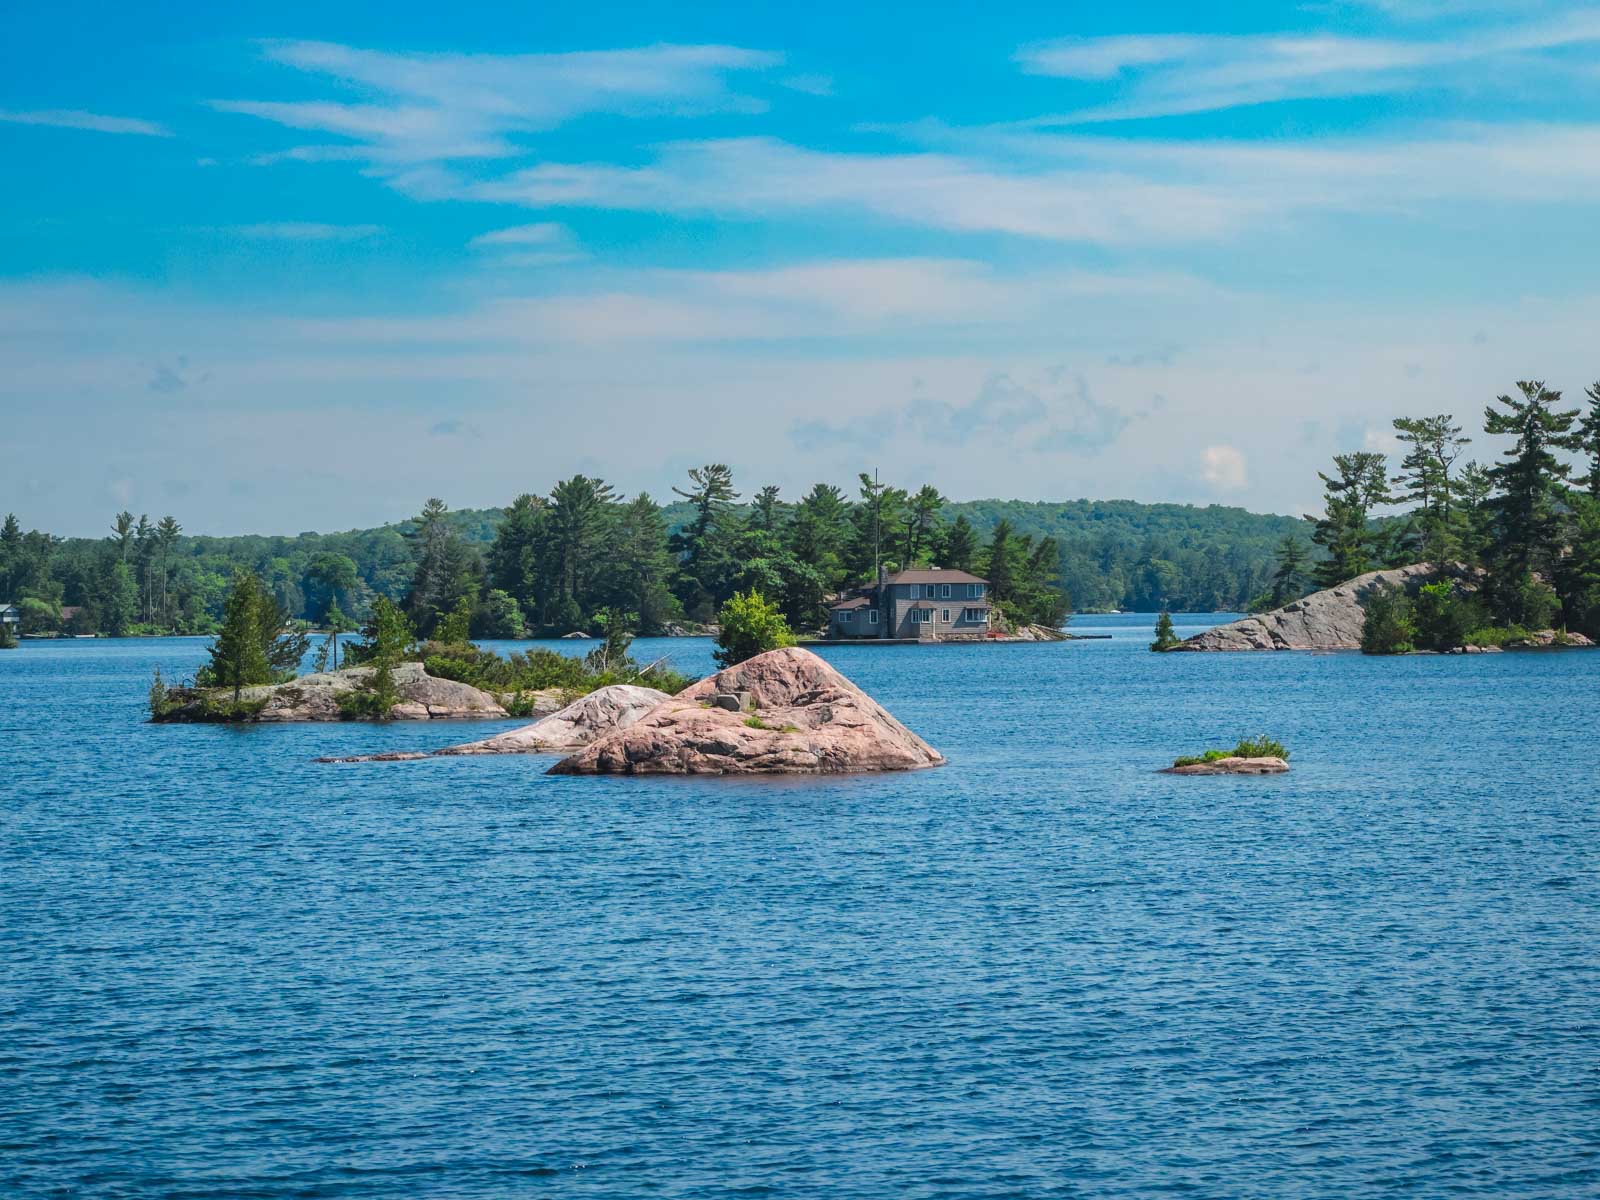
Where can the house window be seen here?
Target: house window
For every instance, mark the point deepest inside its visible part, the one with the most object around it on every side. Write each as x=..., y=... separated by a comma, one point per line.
x=975, y=615
x=872, y=617
x=916, y=616
x=944, y=593
x=974, y=591
x=847, y=615
x=944, y=615
x=915, y=591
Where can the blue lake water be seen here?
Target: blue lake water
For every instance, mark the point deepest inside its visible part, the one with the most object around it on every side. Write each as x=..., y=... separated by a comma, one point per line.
x=1043, y=970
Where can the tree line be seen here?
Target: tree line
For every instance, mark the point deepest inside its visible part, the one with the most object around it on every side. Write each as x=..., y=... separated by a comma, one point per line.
x=1525, y=526
x=570, y=554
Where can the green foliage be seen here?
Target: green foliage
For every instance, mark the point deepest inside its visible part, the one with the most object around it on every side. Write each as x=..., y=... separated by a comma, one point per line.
x=501, y=616
x=750, y=625
x=1493, y=635
x=1257, y=747
x=160, y=703
x=1354, y=546
x=256, y=644
x=1387, y=626
x=8, y=640
x=1442, y=616
x=755, y=722
x=1166, y=636
x=455, y=628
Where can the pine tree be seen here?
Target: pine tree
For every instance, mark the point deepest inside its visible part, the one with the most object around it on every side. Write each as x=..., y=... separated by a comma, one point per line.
x=239, y=654
x=1289, y=578
x=960, y=552
x=1166, y=635
x=1435, y=445
x=1528, y=484
x=1343, y=530
x=1589, y=441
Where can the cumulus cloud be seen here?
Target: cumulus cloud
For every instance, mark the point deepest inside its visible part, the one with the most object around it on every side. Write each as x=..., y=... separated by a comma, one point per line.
x=1222, y=468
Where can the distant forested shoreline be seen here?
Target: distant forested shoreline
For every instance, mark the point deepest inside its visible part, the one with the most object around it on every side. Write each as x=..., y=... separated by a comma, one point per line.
x=553, y=562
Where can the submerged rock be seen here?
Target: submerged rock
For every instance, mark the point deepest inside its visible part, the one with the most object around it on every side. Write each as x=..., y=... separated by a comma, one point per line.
x=802, y=717
x=1327, y=620
x=316, y=698
x=1231, y=766
x=600, y=712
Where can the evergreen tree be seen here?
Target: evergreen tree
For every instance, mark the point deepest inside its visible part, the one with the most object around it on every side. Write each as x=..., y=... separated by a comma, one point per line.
x=1001, y=563
x=767, y=512
x=817, y=533
x=922, y=526
x=578, y=525
x=1435, y=445
x=1475, y=532
x=1361, y=483
x=960, y=550
x=705, y=546
x=447, y=570
x=645, y=566
x=1166, y=636
x=255, y=645
x=1528, y=484
x=1289, y=577
x=514, y=556
x=1589, y=441
x=118, y=600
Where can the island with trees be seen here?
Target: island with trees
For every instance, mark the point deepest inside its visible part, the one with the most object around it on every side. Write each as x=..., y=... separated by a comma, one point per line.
x=1478, y=557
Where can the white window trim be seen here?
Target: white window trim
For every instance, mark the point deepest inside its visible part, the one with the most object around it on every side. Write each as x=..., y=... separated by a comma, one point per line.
x=944, y=616
x=944, y=591
x=873, y=619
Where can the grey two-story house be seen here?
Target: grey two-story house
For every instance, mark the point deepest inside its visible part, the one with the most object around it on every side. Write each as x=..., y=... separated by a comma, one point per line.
x=926, y=604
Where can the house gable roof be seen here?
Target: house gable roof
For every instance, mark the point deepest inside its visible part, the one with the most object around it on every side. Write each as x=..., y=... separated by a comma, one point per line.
x=934, y=575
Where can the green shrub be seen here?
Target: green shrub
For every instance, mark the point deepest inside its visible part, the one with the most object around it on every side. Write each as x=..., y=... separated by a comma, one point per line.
x=160, y=703
x=1258, y=747
x=1493, y=635
x=750, y=625
x=1166, y=637
x=1387, y=626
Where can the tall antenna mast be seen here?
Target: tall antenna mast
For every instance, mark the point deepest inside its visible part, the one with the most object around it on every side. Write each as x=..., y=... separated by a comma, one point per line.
x=877, y=528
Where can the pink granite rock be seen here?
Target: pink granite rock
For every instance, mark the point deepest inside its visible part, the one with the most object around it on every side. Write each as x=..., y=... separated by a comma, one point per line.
x=794, y=715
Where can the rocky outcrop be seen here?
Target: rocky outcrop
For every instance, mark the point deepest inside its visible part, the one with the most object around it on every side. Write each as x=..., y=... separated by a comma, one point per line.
x=1549, y=639
x=316, y=698
x=1327, y=620
x=1231, y=766
x=783, y=712
x=576, y=725
x=581, y=722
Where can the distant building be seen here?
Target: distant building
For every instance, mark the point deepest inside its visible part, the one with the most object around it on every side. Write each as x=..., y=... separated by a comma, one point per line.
x=10, y=615
x=925, y=604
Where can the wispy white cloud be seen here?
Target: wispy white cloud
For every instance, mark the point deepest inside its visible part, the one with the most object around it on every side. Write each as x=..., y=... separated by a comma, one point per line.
x=435, y=107
x=1163, y=75
x=1105, y=191
x=543, y=233
x=72, y=118
x=306, y=231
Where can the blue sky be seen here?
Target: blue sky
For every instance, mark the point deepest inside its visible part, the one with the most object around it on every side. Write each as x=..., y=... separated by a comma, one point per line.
x=279, y=267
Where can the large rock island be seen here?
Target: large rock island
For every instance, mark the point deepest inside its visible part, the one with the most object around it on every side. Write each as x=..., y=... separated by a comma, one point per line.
x=1327, y=620
x=783, y=712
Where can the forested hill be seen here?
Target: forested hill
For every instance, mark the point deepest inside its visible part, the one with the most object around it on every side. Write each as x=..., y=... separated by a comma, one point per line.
x=1112, y=554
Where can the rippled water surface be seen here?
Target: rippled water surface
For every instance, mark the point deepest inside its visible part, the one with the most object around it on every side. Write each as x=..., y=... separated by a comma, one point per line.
x=1043, y=970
